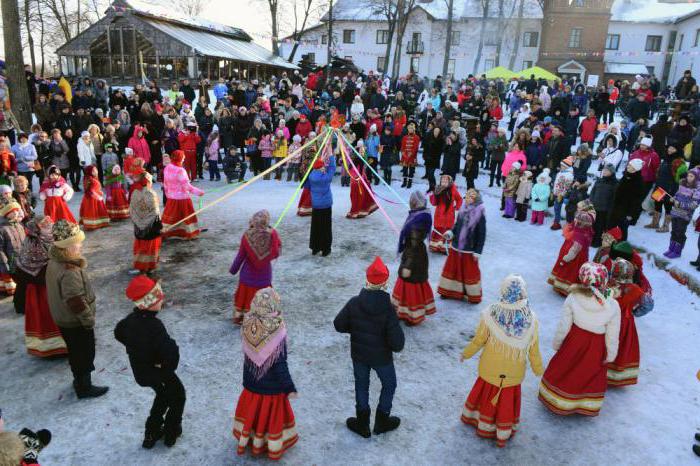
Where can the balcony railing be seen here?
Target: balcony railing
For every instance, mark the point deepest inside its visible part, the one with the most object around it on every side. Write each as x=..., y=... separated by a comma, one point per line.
x=414, y=47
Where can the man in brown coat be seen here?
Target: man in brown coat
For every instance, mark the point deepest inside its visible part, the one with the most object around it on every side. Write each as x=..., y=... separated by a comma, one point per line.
x=72, y=304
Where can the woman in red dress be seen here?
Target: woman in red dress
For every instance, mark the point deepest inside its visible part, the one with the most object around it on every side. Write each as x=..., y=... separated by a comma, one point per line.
x=41, y=335
x=586, y=341
x=307, y=155
x=461, y=276
x=117, y=205
x=412, y=296
x=447, y=201
x=264, y=419
x=93, y=211
x=55, y=193
x=179, y=206
x=361, y=201
x=260, y=245
x=573, y=253
x=624, y=370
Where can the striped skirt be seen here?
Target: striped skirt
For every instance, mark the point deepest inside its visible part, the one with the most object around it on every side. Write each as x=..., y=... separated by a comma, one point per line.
x=497, y=420
x=175, y=210
x=41, y=335
x=461, y=277
x=93, y=214
x=413, y=301
x=146, y=254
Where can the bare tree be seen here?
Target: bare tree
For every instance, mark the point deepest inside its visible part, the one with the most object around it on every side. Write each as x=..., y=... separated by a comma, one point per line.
x=14, y=61
x=448, y=38
x=499, y=41
x=42, y=42
x=274, y=7
x=404, y=9
x=300, y=12
x=482, y=32
x=518, y=33
x=27, y=15
x=191, y=8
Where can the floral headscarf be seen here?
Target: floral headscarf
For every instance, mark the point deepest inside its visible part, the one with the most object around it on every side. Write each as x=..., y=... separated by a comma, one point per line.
x=595, y=277
x=34, y=254
x=259, y=234
x=264, y=333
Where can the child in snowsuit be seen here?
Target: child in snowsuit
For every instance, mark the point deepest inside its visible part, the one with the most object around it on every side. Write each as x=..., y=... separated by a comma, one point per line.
x=510, y=187
x=234, y=165
x=294, y=162
x=540, y=197
x=522, y=196
x=685, y=202
x=154, y=358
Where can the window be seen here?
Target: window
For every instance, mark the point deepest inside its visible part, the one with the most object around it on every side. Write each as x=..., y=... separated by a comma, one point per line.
x=451, y=67
x=579, y=3
x=324, y=39
x=415, y=64
x=575, y=38
x=382, y=36
x=680, y=42
x=612, y=42
x=527, y=64
x=650, y=69
x=381, y=64
x=697, y=38
x=416, y=37
x=653, y=44
x=491, y=38
x=348, y=36
x=530, y=39
x=489, y=63
x=456, y=36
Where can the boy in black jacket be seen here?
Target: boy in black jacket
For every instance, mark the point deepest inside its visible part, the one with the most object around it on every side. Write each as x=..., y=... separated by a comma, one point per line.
x=375, y=334
x=154, y=357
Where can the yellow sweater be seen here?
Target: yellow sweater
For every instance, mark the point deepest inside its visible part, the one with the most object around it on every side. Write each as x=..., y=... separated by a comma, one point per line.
x=501, y=362
x=280, y=150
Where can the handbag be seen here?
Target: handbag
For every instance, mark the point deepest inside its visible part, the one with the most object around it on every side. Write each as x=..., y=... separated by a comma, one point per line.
x=150, y=232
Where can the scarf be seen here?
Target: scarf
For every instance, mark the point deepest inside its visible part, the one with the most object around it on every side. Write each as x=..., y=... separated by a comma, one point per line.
x=419, y=219
x=34, y=254
x=259, y=234
x=144, y=207
x=264, y=333
x=470, y=216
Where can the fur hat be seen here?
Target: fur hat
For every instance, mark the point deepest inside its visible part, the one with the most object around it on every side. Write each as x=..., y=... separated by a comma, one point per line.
x=609, y=167
x=515, y=166
x=144, y=291
x=11, y=448
x=9, y=208
x=646, y=142
x=377, y=274
x=66, y=233
x=296, y=138
x=636, y=165
x=543, y=177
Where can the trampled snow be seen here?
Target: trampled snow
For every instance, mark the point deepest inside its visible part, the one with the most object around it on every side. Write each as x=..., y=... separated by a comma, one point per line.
x=652, y=422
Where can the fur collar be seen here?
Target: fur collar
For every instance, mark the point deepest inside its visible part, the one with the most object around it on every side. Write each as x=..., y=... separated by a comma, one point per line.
x=59, y=255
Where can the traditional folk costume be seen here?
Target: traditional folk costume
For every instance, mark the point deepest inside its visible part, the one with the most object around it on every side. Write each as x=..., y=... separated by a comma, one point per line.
x=12, y=236
x=260, y=245
x=361, y=200
x=461, y=277
x=179, y=206
x=409, y=155
x=586, y=341
x=612, y=247
x=624, y=370
x=573, y=253
x=144, y=210
x=42, y=336
x=307, y=155
x=93, y=211
x=447, y=202
x=264, y=418
x=55, y=192
x=117, y=204
x=508, y=334
x=412, y=296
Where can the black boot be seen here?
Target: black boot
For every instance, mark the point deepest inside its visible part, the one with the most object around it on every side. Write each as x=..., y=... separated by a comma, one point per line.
x=154, y=432
x=171, y=435
x=85, y=389
x=410, y=183
x=405, y=182
x=360, y=424
x=696, y=262
x=385, y=423
x=696, y=449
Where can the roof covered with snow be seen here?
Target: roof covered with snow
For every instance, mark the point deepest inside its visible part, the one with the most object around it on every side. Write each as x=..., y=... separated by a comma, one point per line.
x=625, y=68
x=651, y=11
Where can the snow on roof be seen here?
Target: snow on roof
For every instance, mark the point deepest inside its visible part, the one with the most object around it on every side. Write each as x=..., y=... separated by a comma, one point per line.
x=651, y=11
x=625, y=68
x=217, y=45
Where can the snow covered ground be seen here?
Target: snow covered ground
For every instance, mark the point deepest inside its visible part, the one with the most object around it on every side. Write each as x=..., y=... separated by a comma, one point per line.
x=652, y=422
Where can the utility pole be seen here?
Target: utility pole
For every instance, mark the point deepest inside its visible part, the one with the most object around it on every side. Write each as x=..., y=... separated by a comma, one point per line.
x=448, y=38
x=14, y=61
x=329, y=52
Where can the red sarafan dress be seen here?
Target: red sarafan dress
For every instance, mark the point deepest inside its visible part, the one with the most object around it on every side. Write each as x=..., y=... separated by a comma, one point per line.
x=56, y=194
x=572, y=255
x=304, y=207
x=576, y=378
x=624, y=370
x=447, y=202
x=117, y=204
x=361, y=200
x=179, y=205
x=93, y=211
x=144, y=210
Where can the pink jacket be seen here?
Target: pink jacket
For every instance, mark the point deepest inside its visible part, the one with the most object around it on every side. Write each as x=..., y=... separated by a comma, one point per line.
x=512, y=157
x=177, y=183
x=140, y=145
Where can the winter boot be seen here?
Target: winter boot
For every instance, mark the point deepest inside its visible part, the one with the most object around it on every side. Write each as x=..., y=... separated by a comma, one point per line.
x=654, y=221
x=385, y=423
x=360, y=424
x=171, y=434
x=696, y=263
x=153, y=434
x=555, y=226
x=85, y=389
x=665, y=228
x=674, y=250
x=696, y=449
x=405, y=182
x=410, y=183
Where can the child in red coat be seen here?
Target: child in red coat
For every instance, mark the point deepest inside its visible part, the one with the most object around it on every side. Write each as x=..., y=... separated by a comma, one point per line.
x=447, y=202
x=188, y=140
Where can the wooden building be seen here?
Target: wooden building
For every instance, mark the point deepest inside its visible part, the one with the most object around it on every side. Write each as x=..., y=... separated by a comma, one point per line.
x=136, y=39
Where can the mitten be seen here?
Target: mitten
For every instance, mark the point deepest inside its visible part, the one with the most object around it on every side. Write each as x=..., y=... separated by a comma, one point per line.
x=34, y=442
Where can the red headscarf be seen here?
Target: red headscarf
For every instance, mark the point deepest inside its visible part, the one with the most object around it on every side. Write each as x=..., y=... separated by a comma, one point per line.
x=177, y=157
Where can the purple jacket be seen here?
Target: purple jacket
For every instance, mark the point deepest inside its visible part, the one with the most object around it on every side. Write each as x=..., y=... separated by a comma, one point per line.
x=254, y=272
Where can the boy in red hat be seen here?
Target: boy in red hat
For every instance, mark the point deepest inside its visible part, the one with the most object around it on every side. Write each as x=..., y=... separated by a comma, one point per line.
x=154, y=357
x=375, y=334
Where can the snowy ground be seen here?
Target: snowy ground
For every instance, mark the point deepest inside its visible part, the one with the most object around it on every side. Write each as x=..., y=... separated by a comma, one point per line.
x=653, y=422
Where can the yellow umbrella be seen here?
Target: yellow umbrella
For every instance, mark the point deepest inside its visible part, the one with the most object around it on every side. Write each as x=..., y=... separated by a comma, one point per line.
x=540, y=73
x=500, y=72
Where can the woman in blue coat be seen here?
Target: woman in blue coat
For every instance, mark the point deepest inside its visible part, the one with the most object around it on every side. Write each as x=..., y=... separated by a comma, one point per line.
x=320, y=179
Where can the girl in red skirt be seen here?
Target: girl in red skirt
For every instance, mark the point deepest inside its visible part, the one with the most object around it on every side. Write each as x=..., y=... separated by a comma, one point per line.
x=447, y=201
x=117, y=205
x=93, y=212
x=586, y=342
x=507, y=332
x=144, y=210
x=461, y=277
x=264, y=419
x=573, y=253
x=41, y=335
x=55, y=192
x=307, y=155
x=624, y=370
x=260, y=245
x=179, y=206
x=412, y=296
x=361, y=201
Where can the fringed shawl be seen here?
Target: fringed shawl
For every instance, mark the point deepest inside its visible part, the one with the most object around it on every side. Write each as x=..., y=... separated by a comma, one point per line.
x=264, y=333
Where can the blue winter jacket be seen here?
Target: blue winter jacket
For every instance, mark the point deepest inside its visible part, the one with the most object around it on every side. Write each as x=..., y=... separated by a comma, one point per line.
x=220, y=91
x=25, y=156
x=540, y=197
x=372, y=146
x=276, y=380
x=320, y=186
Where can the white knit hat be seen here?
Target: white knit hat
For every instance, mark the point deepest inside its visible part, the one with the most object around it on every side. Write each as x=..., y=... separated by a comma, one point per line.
x=636, y=164
x=536, y=134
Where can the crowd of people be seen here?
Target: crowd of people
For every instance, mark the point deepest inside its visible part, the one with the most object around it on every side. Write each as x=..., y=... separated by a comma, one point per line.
x=604, y=155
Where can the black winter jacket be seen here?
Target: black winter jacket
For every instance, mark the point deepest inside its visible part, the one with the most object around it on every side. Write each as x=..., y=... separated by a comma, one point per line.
x=152, y=353
x=603, y=192
x=628, y=198
x=374, y=329
x=276, y=380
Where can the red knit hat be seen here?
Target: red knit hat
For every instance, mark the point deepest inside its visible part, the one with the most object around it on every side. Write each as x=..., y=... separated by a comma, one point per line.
x=144, y=292
x=318, y=164
x=615, y=233
x=377, y=273
x=177, y=157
